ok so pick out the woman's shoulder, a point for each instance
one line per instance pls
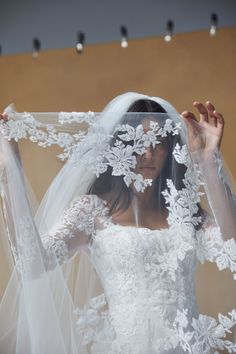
(89, 202)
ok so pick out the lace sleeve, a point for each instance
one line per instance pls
(212, 247)
(216, 239)
(219, 193)
(77, 227)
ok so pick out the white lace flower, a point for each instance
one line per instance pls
(129, 133)
(207, 332)
(78, 117)
(181, 318)
(121, 159)
(140, 183)
(17, 130)
(181, 154)
(212, 247)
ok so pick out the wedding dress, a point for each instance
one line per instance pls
(142, 288)
(134, 288)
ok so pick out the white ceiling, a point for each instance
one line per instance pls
(57, 22)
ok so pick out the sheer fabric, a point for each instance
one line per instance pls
(107, 263)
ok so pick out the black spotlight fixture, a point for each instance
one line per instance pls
(80, 42)
(124, 37)
(36, 47)
(169, 31)
(214, 24)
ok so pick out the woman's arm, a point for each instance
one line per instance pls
(204, 139)
(219, 194)
(75, 229)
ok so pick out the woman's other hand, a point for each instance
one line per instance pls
(3, 117)
(13, 143)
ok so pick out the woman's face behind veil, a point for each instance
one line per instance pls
(150, 164)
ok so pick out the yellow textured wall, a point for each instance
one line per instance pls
(194, 66)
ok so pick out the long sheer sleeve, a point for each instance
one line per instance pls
(75, 231)
(217, 234)
(77, 227)
(220, 195)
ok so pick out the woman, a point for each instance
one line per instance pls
(133, 206)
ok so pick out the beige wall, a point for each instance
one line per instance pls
(194, 66)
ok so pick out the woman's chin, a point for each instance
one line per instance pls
(148, 173)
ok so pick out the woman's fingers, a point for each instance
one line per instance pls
(189, 115)
(191, 121)
(202, 111)
(213, 113)
(210, 106)
(212, 117)
(220, 118)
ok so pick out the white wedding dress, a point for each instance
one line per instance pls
(147, 276)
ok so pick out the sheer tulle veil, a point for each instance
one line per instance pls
(38, 310)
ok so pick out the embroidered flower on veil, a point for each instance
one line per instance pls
(205, 332)
(93, 147)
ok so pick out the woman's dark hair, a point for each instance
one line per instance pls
(121, 196)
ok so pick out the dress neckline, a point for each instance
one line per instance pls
(113, 223)
(164, 229)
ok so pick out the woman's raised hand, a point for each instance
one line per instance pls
(205, 134)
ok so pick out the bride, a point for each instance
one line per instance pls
(130, 199)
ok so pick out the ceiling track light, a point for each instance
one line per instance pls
(36, 47)
(169, 31)
(80, 42)
(214, 24)
(124, 37)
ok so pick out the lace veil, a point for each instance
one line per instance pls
(57, 299)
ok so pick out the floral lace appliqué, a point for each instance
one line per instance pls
(206, 332)
(80, 221)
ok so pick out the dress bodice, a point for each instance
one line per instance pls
(138, 262)
(146, 275)
(148, 303)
